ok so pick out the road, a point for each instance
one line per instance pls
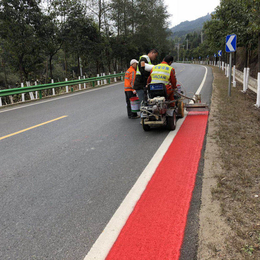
(62, 181)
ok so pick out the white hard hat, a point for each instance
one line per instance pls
(133, 61)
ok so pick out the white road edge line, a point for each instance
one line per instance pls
(107, 238)
(203, 81)
(38, 102)
(201, 85)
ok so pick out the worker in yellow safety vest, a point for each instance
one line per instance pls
(164, 73)
(141, 74)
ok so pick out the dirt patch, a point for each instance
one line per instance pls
(230, 209)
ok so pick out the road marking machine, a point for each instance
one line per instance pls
(158, 110)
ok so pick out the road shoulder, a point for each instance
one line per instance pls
(212, 228)
(230, 212)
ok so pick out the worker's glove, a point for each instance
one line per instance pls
(134, 91)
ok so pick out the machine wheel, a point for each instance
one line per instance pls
(180, 109)
(145, 127)
(171, 121)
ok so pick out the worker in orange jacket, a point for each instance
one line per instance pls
(129, 90)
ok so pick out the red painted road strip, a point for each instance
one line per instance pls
(155, 228)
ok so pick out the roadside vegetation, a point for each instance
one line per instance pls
(237, 123)
(230, 17)
(42, 40)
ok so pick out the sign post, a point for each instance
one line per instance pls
(219, 55)
(231, 45)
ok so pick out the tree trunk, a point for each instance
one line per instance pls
(79, 66)
(65, 64)
(46, 75)
(98, 68)
(50, 64)
(259, 52)
(21, 72)
(133, 22)
(246, 57)
(99, 15)
(5, 74)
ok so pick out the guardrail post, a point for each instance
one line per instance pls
(53, 90)
(30, 93)
(98, 80)
(122, 78)
(258, 91)
(84, 77)
(234, 76)
(36, 92)
(1, 104)
(79, 84)
(93, 84)
(105, 81)
(40, 94)
(115, 79)
(23, 99)
(67, 87)
(109, 78)
(227, 70)
(247, 77)
(244, 81)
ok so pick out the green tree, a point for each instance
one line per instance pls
(151, 26)
(51, 39)
(80, 34)
(253, 7)
(231, 17)
(19, 20)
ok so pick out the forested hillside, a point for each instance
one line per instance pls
(44, 40)
(182, 29)
(230, 17)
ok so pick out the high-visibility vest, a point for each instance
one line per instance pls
(130, 79)
(161, 74)
(149, 62)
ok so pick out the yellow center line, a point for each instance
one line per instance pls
(32, 127)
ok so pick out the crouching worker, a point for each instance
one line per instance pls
(164, 73)
(129, 91)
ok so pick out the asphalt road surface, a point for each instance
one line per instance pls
(66, 173)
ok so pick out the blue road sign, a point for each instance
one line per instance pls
(215, 55)
(220, 53)
(231, 43)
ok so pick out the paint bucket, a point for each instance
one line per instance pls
(135, 104)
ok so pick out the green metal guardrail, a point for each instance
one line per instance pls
(39, 88)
